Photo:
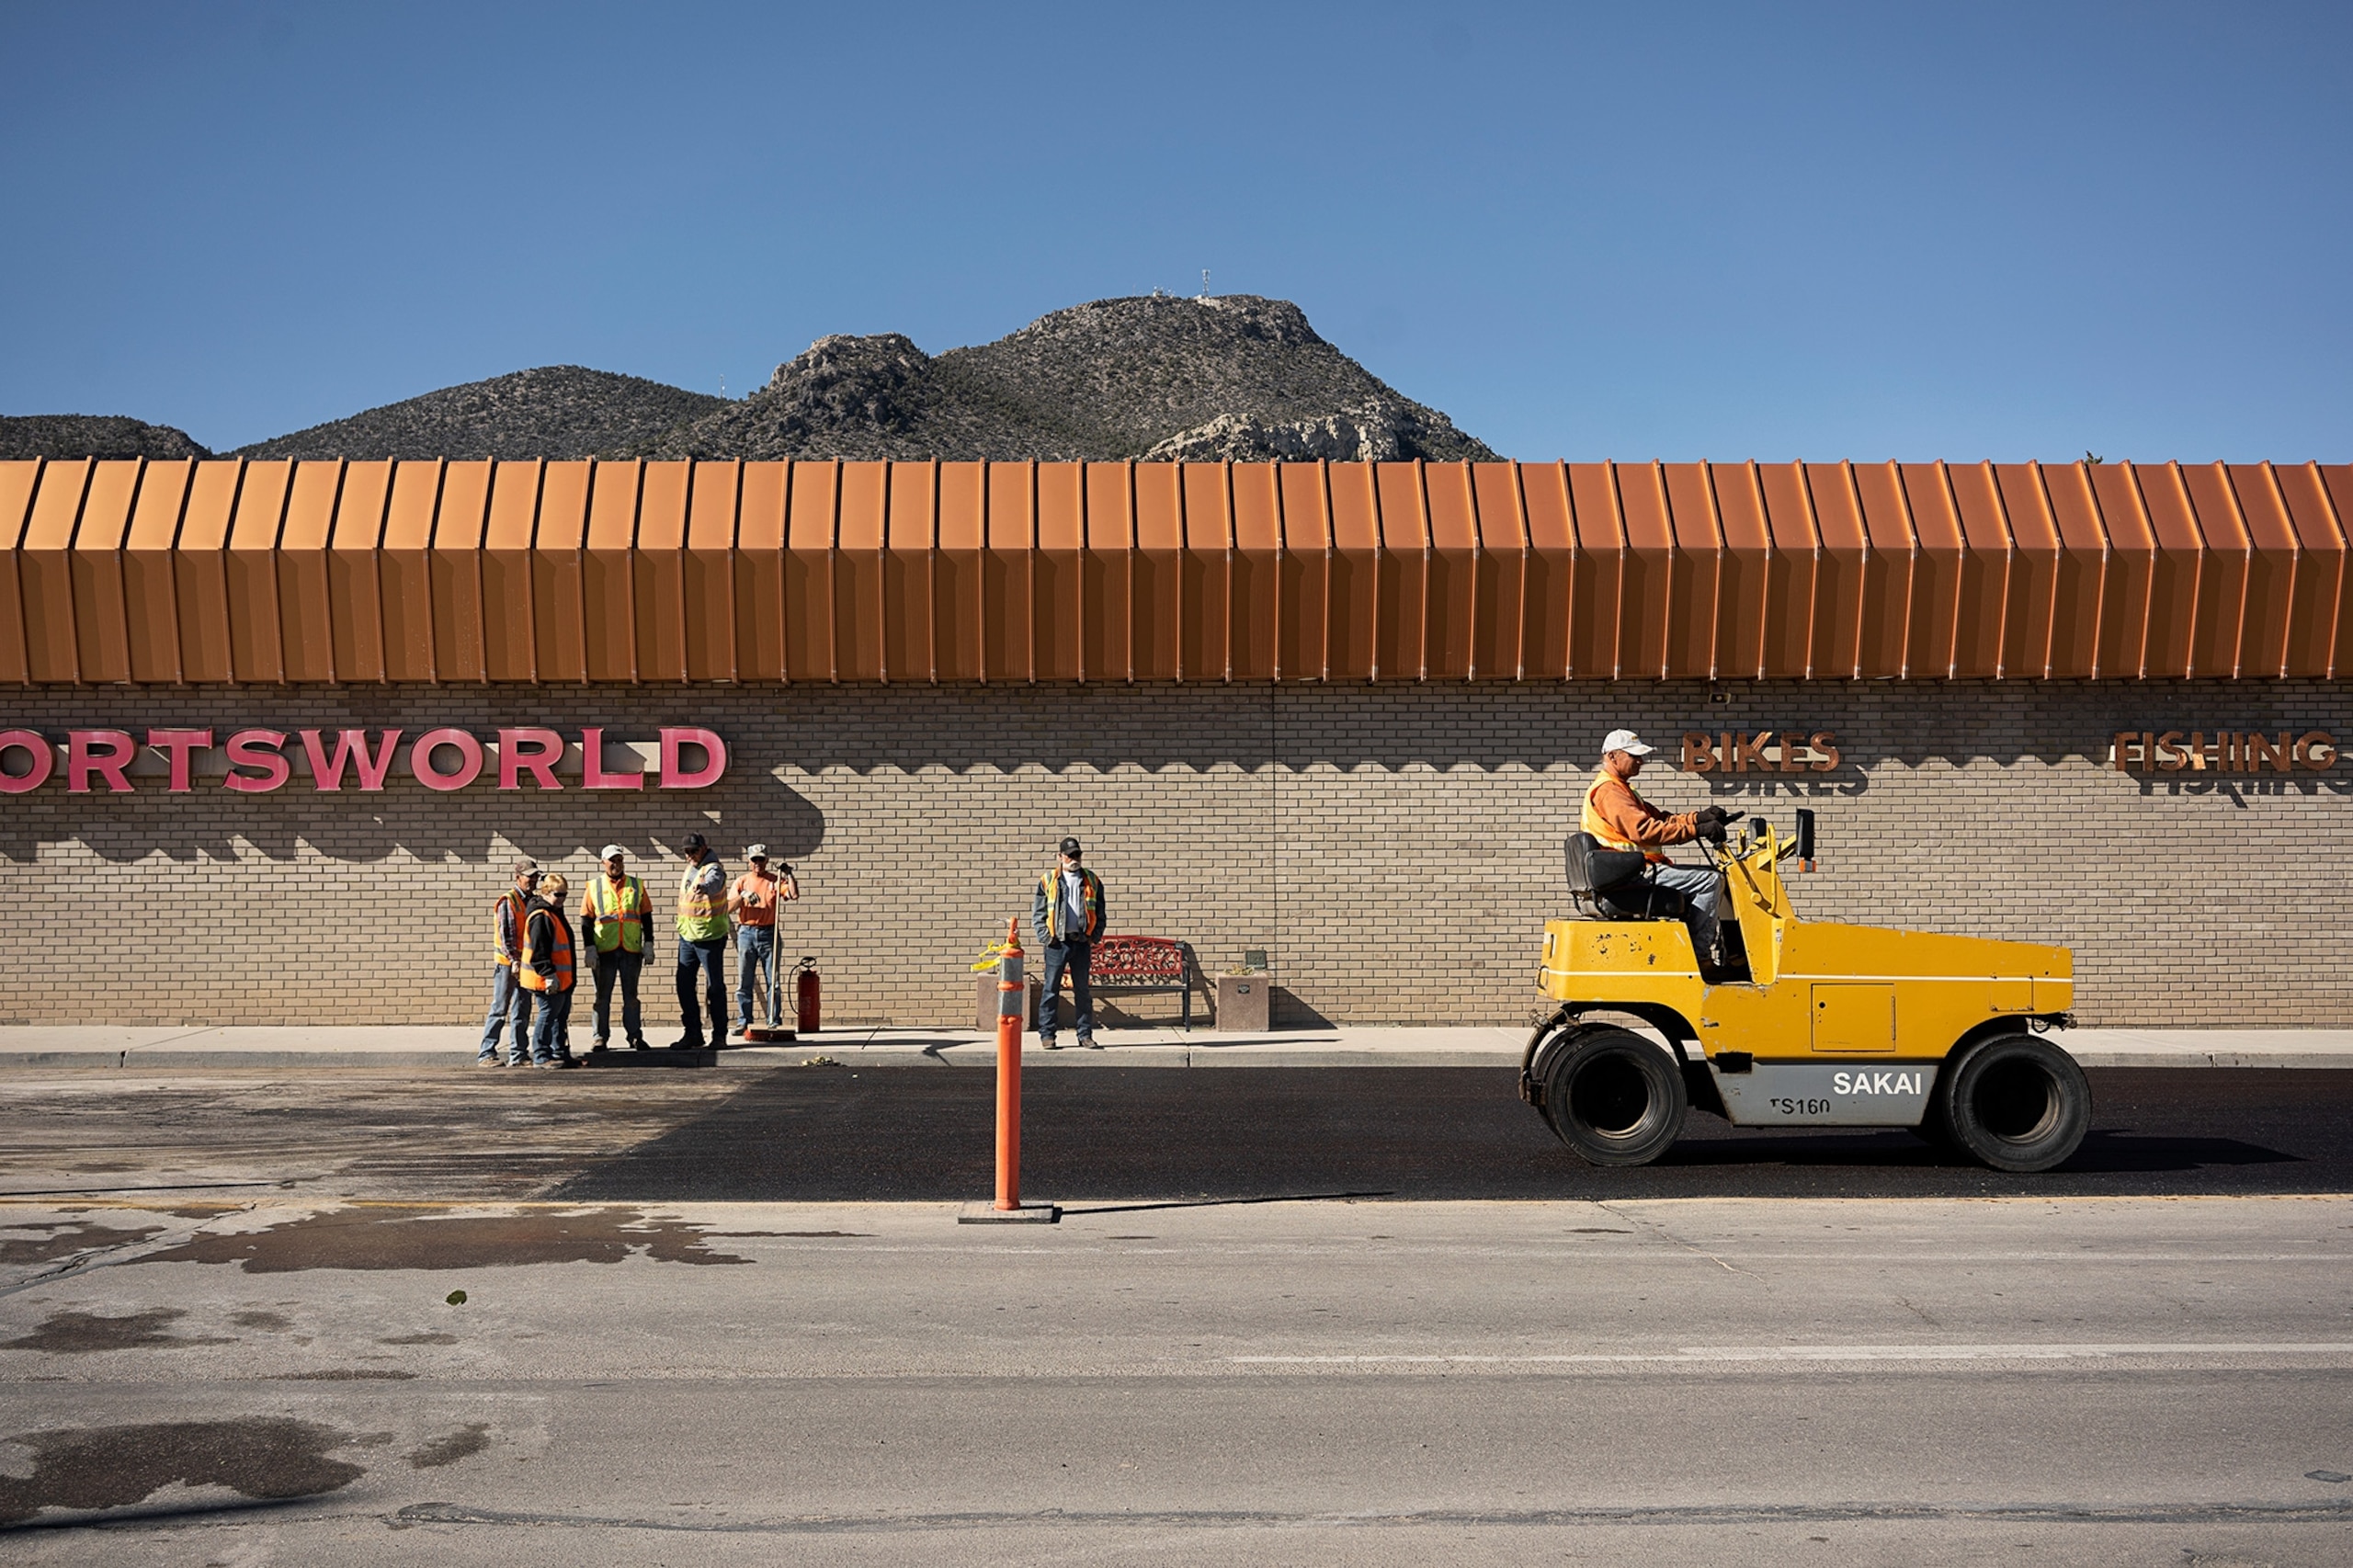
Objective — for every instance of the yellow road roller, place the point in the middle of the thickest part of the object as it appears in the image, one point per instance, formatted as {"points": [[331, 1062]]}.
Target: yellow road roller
{"points": [[1805, 1023]]}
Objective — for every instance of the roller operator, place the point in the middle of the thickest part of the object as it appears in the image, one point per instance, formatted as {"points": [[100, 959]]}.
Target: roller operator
{"points": [[1619, 819]]}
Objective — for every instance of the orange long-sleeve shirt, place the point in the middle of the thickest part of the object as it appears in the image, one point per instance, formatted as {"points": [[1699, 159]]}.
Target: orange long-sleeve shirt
{"points": [[1638, 820]]}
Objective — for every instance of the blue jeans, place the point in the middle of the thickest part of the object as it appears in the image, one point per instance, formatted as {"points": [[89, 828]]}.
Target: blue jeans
{"points": [[709, 961], [518, 1017], [1074, 957], [753, 946], [551, 1041], [502, 1002], [1702, 885], [625, 965]]}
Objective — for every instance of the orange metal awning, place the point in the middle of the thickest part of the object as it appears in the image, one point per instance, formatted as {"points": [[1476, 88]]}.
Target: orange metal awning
{"points": [[867, 573]]}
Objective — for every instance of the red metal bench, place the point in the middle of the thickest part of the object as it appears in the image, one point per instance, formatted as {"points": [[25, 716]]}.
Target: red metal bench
{"points": [[1146, 963]]}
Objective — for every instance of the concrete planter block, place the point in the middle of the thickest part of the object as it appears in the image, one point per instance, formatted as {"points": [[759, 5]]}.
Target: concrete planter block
{"points": [[1241, 1002], [984, 1004]]}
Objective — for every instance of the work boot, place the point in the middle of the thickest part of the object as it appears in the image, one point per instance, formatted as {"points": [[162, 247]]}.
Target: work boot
{"points": [[686, 1045], [1047, 1043], [640, 1044], [595, 1046], [1091, 1043]]}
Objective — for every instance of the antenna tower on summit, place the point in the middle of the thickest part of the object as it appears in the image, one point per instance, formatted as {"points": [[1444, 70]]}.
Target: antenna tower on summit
{"points": [[1205, 282]]}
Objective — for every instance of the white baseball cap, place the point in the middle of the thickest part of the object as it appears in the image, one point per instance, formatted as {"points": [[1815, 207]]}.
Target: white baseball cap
{"points": [[757, 852], [610, 850], [1625, 741]]}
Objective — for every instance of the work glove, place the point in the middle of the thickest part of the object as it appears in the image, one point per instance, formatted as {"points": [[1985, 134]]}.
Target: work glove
{"points": [[1713, 815], [1711, 828]]}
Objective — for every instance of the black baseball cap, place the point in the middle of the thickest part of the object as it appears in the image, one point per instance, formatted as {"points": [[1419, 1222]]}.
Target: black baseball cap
{"points": [[1070, 848], [695, 841]]}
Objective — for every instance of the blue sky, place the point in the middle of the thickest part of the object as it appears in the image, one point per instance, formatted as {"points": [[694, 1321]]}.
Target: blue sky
{"points": [[1724, 232]]}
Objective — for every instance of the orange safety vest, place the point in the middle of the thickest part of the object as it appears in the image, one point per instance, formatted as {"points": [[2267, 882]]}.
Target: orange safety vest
{"points": [[702, 916], [1594, 823], [497, 934], [560, 952], [1090, 896]]}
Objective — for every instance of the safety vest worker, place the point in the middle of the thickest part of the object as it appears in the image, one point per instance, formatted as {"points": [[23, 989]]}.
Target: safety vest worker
{"points": [[617, 912], [1619, 819], [702, 898], [507, 923], [547, 949]]}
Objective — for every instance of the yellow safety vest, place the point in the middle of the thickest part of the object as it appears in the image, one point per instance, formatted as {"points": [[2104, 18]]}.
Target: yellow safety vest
{"points": [[701, 917], [618, 919], [1594, 823]]}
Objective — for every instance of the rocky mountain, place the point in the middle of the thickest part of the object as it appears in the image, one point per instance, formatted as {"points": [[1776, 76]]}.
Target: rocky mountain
{"points": [[1157, 377], [1233, 376], [556, 410], [92, 436]]}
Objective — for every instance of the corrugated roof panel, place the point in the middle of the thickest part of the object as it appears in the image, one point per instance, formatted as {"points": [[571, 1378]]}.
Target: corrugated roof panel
{"points": [[1695, 583], [354, 587], [2225, 562], [1258, 613], [660, 575], [958, 600], [1844, 575], [510, 642], [1306, 569], [1985, 571], [1060, 594], [1891, 574], [151, 593], [558, 545], [1941, 575], [759, 571], [858, 571], [1647, 605], [306, 627], [1008, 634], [2337, 482], [2124, 613], [608, 572], [257, 652], [708, 563], [404, 566], [456, 566], [1507, 570], [18, 482], [2182, 629], [2272, 568], [1744, 577], [100, 622], [50, 643], [1354, 600], [1403, 609], [1203, 650], [201, 572], [2027, 619], [2082, 593], [2319, 571], [1454, 567], [1793, 575], [1599, 611], [1158, 605], [1110, 558]]}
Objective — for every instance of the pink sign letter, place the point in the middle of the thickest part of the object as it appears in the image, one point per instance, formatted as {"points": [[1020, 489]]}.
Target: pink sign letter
{"points": [[675, 776]]}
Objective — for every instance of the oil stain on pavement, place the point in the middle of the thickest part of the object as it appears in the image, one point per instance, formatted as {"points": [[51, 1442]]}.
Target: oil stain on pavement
{"points": [[259, 1459], [427, 1237], [46, 1241], [450, 1446], [83, 1334]]}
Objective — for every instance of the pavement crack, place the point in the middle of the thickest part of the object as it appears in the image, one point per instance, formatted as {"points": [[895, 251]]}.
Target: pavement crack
{"points": [[1669, 1236]]}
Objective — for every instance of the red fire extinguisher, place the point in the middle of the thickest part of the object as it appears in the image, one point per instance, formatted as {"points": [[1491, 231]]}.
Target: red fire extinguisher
{"points": [[804, 990]]}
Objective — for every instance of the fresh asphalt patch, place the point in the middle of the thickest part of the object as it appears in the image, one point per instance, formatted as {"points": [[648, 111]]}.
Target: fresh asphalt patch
{"points": [[1153, 1134]]}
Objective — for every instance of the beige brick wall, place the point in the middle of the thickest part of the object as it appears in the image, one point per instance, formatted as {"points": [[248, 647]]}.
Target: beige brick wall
{"points": [[1396, 849]]}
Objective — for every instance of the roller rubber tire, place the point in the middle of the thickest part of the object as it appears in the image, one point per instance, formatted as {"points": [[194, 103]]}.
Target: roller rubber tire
{"points": [[1614, 1097], [2015, 1103]]}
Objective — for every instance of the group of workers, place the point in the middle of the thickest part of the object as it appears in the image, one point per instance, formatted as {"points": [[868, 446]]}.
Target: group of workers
{"points": [[539, 953]]}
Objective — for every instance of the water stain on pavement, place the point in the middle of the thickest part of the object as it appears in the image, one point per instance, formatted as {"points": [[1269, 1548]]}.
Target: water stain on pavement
{"points": [[65, 1238], [407, 1236], [451, 1446], [80, 1333], [260, 1320], [420, 1340], [267, 1459]]}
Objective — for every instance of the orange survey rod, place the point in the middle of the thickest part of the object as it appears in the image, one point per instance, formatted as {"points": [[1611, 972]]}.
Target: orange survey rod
{"points": [[1009, 997]]}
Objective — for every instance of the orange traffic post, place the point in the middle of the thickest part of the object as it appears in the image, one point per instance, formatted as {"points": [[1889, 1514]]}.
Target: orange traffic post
{"points": [[1012, 995], [1009, 996]]}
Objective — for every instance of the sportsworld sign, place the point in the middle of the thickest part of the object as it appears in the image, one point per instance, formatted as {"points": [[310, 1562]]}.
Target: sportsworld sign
{"points": [[255, 762]]}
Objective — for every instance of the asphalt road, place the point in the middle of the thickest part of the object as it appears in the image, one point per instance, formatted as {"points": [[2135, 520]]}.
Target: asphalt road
{"points": [[1325, 1383], [1093, 1135]]}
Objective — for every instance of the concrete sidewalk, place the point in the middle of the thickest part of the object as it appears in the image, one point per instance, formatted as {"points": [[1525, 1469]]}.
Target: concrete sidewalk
{"points": [[451, 1048]]}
